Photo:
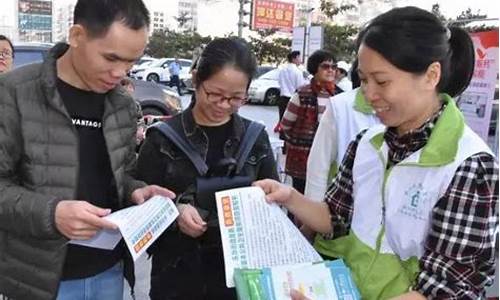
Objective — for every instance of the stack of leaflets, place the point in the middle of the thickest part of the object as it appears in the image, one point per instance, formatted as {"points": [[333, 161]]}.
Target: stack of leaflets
{"points": [[265, 255], [328, 280]]}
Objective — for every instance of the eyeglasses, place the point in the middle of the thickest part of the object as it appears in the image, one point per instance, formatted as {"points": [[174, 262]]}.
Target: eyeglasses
{"points": [[216, 97], [6, 54], [327, 66]]}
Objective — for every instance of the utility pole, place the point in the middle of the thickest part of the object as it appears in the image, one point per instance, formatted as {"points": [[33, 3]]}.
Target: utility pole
{"points": [[307, 30], [241, 17]]}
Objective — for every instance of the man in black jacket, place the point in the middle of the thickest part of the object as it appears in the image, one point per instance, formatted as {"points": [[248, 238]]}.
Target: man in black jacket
{"points": [[67, 141]]}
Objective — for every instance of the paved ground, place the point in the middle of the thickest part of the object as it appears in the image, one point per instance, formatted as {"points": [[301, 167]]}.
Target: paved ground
{"points": [[142, 276]]}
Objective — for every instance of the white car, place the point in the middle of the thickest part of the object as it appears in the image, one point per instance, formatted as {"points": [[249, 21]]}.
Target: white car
{"points": [[158, 71], [142, 63], [265, 89]]}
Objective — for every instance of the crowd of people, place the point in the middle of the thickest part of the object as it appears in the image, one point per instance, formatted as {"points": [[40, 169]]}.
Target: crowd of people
{"points": [[386, 173]]}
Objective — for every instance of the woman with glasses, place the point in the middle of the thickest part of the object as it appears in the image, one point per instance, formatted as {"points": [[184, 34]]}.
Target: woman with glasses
{"points": [[302, 115], [6, 54], [188, 260]]}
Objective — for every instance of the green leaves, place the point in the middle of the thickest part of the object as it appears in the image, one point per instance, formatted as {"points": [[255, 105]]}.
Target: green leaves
{"points": [[168, 43]]}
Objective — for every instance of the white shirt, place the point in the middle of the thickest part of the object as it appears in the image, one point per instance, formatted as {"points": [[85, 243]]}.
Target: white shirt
{"points": [[290, 78], [339, 125], [323, 152], [345, 84]]}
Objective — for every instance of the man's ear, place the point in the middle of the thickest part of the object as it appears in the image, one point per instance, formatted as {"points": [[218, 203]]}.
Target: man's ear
{"points": [[433, 75], [77, 34]]}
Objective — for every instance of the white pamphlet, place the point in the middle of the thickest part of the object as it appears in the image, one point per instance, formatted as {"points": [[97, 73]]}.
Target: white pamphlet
{"points": [[256, 234], [139, 225]]}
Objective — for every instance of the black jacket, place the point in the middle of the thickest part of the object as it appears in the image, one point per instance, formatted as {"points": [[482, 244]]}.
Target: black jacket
{"points": [[161, 162]]}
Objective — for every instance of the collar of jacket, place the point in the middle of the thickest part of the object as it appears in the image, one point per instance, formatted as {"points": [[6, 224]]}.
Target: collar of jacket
{"points": [[442, 146], [360, 103], [324, 89], [49, 83]]}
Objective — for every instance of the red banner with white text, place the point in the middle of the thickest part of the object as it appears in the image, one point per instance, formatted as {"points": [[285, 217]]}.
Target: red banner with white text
{"points": [[268, 14]]}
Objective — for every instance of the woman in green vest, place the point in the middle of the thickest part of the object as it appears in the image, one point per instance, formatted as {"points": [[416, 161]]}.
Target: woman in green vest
{"points": [[412, 210]]}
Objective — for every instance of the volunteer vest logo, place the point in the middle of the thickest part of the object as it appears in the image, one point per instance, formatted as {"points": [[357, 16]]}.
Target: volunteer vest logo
{"points": [[416, 199]]}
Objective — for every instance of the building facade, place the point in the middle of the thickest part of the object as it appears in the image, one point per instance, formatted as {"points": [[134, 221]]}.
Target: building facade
{"points": [[63, 20], [187, 17], [34, 19]]}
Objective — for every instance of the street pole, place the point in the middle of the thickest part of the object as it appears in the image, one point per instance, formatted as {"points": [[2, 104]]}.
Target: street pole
{"points": [[307, 32], [241, 15]]}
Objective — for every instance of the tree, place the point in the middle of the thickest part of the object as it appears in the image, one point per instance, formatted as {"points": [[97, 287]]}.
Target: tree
{"points": [[168, 43], [463, 19], [338, 39], [157, 46], [330, 9], [268, 49], [183, 18], [436, 10], [466, 17]]}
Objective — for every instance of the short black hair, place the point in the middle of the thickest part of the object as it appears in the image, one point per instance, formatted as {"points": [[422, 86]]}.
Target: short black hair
{"points": [[411, 39], [356, 82], [4, 38], [223, 52], [317, 58], [292, 55], [98, 15]]}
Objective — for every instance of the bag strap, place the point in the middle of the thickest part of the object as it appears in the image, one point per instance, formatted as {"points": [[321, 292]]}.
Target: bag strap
{"points": [[182, 143], [251, 134], [247, 142]]}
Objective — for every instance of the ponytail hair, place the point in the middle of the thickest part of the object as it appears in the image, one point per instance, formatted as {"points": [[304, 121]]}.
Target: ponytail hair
{"points": [[460, 65], [411, 39]]}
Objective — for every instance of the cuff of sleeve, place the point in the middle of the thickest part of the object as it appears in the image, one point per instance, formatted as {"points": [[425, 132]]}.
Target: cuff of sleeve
{"points": [[132, 186], [53, 231]]}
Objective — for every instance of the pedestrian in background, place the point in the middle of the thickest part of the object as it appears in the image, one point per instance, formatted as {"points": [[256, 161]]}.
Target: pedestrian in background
{"points": [[341, 76], [290, 78], [174, 68], [304, 110], [413, 208], [6, 54], [67, 141], [187, 262]]}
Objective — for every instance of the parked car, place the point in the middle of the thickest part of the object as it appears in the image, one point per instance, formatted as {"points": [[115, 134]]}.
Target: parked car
{"points": [[265, 89], [188, 85], [141, 63], [156, 100], [261, 70], [27, 53], [158, 71]]}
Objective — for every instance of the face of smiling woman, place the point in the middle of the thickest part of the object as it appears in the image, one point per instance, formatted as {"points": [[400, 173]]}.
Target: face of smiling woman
{"points": [[400, 99], [218, 97]]}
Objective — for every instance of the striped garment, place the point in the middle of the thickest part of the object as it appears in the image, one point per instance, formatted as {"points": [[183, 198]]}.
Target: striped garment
{"points": [[299, 124]]}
